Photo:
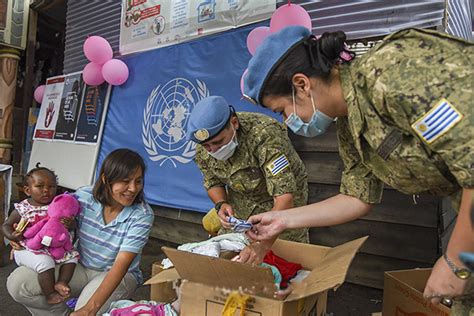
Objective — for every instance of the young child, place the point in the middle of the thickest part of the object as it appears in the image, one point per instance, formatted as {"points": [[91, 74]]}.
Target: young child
{"points": [[40, 186]]}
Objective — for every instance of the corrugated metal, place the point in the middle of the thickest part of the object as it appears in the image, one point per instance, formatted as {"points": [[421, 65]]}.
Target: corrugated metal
{"points": [[365, 19], [89, 18], [459, 18], [359, 19]]}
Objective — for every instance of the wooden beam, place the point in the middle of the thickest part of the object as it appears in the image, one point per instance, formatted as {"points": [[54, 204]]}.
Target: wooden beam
{"points": [[396, 207], [178, 214], [323, 167], [324, 143], [368, 270], [179, 232], [386, 239]]}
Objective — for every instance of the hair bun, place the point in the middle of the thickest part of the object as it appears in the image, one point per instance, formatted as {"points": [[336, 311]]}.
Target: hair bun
{"points": [[332, 44]]}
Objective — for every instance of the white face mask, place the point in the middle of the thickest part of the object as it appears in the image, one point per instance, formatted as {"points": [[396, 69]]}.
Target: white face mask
{"points": [[226, 151]]}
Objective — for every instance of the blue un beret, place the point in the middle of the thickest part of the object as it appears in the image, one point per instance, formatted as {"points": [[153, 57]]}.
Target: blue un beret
{"points": [[208, 118], [268, 56]]}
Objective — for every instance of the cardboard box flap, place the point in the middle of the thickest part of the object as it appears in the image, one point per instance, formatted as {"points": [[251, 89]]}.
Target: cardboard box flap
{"points": [[308, 255], [164, 276], [414, 278], [331, 271], [222, 273]]}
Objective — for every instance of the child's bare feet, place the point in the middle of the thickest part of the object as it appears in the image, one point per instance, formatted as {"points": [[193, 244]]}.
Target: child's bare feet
{"points": [[54, 298], [63, 289]]}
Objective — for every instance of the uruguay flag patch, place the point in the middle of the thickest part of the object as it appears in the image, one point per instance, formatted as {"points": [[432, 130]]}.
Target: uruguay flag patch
{"points": [[278, 165], [440, 119]]}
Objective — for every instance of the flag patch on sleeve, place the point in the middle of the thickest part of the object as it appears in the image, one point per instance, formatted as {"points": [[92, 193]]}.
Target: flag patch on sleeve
{"points": [[440, 119], [278, 165]]}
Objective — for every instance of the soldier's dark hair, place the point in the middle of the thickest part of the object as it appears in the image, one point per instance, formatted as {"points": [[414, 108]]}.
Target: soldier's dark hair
{"points": [[313, 57], [36, 169], [117, 166]]}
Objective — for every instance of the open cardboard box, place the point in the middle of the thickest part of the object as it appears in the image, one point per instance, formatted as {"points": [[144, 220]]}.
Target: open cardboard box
{"points": [[209, 280], [403, 294]]}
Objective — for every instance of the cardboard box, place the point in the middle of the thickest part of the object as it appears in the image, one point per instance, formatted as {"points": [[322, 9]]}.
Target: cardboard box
{"points": [[164, 291], [209, 280], [403, 294]]}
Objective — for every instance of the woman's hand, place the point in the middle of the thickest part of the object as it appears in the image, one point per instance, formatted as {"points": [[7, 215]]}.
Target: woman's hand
{"points": [[266, 226], [85, 311]]}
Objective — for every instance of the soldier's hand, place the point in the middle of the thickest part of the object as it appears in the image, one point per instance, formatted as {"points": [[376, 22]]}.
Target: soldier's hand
{"points": [[443, 283], [266, 226], [224, 212]]}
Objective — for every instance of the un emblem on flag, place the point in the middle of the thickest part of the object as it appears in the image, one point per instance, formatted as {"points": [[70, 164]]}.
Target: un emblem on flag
{"points": [[165, 118]]}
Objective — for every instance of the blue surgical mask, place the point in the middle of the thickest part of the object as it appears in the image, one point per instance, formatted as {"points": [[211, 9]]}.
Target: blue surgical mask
{"points": [[317, 125], [226, 151]]}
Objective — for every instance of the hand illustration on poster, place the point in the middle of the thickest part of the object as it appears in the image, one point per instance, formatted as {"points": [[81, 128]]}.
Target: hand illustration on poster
{"points": [[48, 116]]}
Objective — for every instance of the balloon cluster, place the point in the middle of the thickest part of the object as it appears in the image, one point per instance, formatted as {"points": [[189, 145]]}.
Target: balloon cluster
{"points": [[286, 15], [102, 66]]}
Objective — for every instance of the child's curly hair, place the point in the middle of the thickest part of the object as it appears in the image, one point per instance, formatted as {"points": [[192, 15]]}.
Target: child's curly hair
{"points": [[29, 174]]}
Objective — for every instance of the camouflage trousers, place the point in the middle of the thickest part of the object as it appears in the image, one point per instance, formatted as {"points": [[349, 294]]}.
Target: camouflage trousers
{"points": [[465, 307]]}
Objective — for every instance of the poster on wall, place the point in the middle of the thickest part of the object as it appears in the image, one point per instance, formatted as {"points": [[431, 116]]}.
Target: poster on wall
{"points": [[149, 24], [90, 117], [49, 112], [69, 109]]}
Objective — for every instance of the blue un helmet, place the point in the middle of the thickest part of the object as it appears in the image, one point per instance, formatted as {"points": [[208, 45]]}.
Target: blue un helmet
{"points": [[268, 57], [208, 118]]}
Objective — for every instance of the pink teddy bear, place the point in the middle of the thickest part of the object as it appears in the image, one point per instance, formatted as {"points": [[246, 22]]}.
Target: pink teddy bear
{"points": [[50, 232]]}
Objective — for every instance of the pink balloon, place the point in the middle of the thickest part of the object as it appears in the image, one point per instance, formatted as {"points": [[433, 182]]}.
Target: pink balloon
{"points": [[256, 37], [115, 72], [39, 93], [92, 74], [97, 49], [242, 81], [289, 14]]}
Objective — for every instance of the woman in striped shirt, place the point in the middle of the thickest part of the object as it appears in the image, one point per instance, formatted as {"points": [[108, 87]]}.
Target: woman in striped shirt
{"points": [[113, 227]]}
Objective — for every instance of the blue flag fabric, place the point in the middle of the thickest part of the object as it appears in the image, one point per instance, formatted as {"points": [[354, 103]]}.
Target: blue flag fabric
{"points": [[150, 111]]}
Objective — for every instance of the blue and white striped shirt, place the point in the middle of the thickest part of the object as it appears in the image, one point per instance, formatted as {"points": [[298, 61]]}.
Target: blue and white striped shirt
{"points": [[99, 244]]}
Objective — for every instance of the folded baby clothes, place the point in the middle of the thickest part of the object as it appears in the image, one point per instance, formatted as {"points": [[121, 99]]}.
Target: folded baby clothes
{"points": [[300, 276], [275, 272], [131, 308], [213, 247], [286, 268]]}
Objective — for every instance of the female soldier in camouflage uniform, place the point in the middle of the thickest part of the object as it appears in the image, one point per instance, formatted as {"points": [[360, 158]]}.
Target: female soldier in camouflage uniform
{"points": [[404, 117]]}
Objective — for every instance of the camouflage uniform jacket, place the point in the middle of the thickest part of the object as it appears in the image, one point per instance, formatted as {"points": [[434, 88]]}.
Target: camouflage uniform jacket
{"points": [[410, 117], [250, 178]]}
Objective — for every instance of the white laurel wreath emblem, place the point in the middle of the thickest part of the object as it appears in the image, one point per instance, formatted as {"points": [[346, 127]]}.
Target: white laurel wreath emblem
{"points": [[147, 137]]}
